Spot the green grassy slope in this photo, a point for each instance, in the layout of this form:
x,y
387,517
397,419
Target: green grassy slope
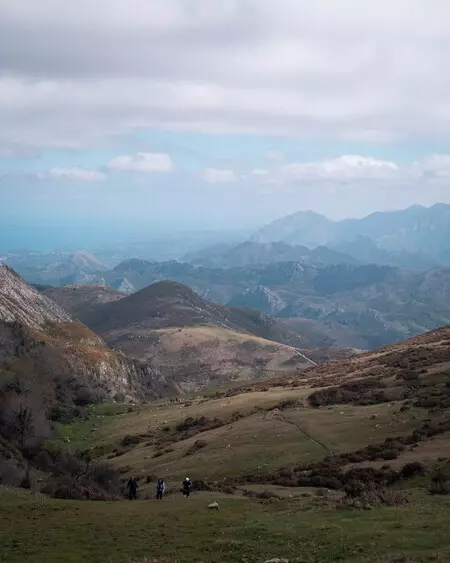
x,y
39,530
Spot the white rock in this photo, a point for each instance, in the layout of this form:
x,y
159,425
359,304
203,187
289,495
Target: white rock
x,y
213,506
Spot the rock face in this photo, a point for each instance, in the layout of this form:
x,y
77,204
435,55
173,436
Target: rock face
x,y
20,302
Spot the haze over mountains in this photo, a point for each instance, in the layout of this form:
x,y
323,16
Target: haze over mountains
x,y
359,283
421,231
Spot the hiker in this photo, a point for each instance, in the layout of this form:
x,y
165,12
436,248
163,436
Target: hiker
x,y
160,489
132,487
187,487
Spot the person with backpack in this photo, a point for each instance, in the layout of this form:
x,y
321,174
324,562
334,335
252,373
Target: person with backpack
x,y
132,487
186,487
160,489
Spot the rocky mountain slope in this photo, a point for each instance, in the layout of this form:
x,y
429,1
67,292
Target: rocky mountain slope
x,y
58,360
20,302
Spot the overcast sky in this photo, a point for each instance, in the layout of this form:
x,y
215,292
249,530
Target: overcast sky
x,y
221,113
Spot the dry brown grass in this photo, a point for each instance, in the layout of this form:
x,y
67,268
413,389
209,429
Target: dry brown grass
x,y
202,356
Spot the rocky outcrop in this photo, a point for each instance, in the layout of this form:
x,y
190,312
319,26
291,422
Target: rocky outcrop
x,y
20,302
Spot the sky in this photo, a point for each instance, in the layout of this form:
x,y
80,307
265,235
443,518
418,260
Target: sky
x,y
165,115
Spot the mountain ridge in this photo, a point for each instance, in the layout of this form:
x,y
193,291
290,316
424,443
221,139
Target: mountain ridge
x,y
195,342
416,229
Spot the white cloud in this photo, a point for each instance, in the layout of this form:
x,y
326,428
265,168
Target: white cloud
x,y
435,166
142,162
274,155
343,168
82,174
340,70
215,176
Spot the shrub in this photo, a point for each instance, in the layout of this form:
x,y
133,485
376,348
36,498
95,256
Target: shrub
x,y
201,485
44,461
131,440
370,498
439,487
361,392
196,446
10,472
440,481
412,469
67,488
354,488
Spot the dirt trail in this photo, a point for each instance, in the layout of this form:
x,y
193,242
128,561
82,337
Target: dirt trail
x,y
306,434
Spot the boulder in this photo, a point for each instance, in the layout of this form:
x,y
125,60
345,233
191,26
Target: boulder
x,y
213,506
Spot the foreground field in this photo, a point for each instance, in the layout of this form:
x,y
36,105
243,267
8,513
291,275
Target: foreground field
x,y
39,530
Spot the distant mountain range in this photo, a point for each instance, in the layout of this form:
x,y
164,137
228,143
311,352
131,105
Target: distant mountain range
x,y
251,253
57,268
423,232
361,283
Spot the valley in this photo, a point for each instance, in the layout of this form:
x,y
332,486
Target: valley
x,y
300,389
282,469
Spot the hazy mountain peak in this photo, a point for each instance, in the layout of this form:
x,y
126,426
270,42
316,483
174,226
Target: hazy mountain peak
x,y
306,228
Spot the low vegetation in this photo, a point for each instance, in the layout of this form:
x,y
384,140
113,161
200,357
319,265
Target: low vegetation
x,y
312,529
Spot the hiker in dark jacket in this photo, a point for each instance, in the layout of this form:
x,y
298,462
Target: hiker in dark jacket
x,y
187,485
132,487
160,489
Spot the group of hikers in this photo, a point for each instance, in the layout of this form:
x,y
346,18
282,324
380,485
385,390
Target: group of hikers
x,y
132,487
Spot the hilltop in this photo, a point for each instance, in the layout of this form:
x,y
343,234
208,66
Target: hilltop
x,y
171,304
76,299
193,341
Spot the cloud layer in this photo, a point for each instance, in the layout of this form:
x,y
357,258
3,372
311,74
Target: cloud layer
x,y
78,174
73,73
215,176
142,162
